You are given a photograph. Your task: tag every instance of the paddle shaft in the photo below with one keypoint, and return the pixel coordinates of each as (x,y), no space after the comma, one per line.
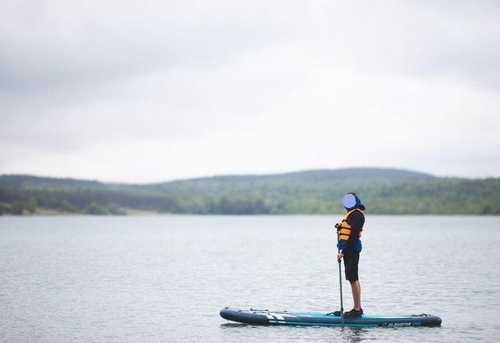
(340,279)
(341,297)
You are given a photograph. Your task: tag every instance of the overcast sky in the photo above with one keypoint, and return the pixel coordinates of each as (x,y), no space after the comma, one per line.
(141,91)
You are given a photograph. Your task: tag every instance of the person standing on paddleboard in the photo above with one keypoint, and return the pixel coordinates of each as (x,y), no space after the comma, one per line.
(349,246)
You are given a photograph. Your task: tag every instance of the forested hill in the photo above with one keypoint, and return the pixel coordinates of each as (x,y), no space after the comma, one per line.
(384,191)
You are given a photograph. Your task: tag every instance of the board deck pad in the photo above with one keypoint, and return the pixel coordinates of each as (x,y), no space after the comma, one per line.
(266,317)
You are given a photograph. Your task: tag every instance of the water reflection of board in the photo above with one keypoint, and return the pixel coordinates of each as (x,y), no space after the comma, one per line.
(266,317)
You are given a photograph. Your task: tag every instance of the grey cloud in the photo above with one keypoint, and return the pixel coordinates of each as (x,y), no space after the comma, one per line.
(59,43)
(426,39)
(263,82)
(67,44)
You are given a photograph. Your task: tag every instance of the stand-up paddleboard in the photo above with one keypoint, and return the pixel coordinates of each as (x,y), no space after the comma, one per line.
(266,317)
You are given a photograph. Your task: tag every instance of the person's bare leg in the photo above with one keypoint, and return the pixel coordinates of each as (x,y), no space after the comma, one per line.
(356,294)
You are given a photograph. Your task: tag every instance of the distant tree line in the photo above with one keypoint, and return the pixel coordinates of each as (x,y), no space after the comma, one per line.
(300,194)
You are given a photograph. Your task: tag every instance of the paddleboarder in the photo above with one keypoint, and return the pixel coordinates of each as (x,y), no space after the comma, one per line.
(349,247)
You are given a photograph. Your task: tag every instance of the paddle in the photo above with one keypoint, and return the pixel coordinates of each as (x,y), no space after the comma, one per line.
(340,280)
(341,312)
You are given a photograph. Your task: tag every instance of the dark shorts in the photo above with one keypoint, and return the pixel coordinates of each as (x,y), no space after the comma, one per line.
(351,261)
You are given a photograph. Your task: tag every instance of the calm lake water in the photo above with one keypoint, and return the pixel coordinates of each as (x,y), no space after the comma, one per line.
(165,278)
